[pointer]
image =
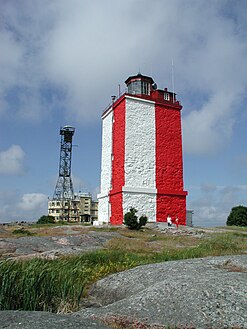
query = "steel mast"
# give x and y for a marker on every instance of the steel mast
(64, 187)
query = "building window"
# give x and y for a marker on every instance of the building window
(58, 203)
(166, 97)
(145, 88)
(139, 87)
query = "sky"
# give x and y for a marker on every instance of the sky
(62, 60)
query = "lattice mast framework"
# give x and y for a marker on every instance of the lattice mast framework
(64, 187)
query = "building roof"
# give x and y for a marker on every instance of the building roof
(139, 76)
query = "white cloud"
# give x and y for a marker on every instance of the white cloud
(212, 204)
(7, 198)
(208, 188)
(209, 59)
(10, 60)
(11, 161)
(87, 54)
(22, 80)
(82, 50)
(15, 206)
(83, 185)
(33, 202)
(214, 72)
(79, 184)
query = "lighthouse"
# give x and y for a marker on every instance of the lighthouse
(142, 160)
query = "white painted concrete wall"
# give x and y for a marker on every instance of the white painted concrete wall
(140, 154)
(103, 210)
(144, 203)
(106, 168)
(140, 143)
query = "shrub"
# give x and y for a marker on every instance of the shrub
(45, 219)
(238, 216)
(132, 221)
(22, 231)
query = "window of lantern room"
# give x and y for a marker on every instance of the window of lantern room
(166, 97)
(145, 88)
(139, 87)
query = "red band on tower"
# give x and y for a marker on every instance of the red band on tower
(171, 199)
(118, 156)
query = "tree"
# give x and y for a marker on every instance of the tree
(45, 219)
(132, 221)
(238, 216)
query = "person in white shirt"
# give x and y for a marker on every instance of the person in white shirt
(169, 221)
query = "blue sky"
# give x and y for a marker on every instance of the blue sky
(60, 62)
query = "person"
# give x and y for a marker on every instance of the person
(176, 222)
(169, 221)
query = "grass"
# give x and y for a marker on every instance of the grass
(22, 231)
(59, 285)
(56, 285)
(234, 228)
(16, 231)
(133, 245)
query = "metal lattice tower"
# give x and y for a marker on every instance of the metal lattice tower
(64, 186)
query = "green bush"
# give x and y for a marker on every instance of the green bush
(132, 221)
(45, 220)
(238, 216)
(22, 231)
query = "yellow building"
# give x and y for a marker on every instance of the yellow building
(81, 209)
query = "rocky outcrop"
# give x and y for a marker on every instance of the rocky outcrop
(53, 246)
(199, 293)
(45, 320)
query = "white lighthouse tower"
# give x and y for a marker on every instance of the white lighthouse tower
(142, 164)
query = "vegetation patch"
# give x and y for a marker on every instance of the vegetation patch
(130, 245)
(238, 216)
(59, 285)
(132, 221)
(56, 285)
(233, 228)
(46, 219)
(22, 231)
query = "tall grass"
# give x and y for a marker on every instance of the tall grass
(59, 285)
(55, 285)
